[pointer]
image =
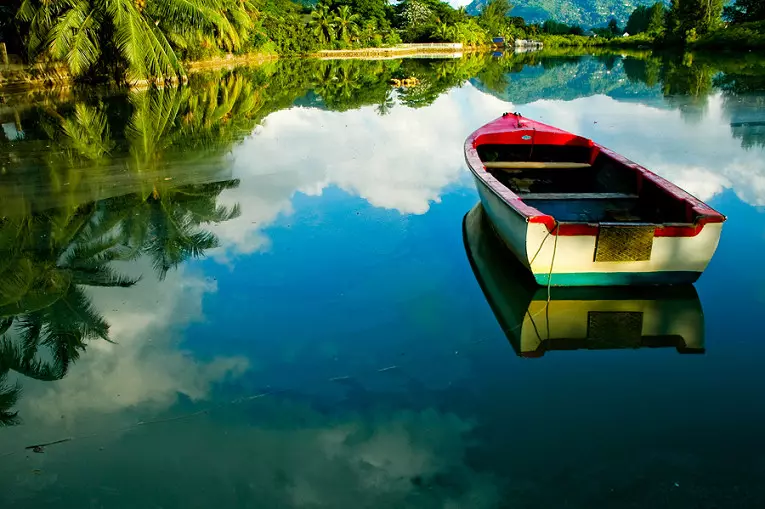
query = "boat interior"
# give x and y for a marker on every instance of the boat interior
(567, 183)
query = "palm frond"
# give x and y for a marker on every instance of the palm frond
(88, 132)
(9, 396)
(102, 276)
(12, 357)
(74, 37)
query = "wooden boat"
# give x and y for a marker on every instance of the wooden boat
(577, 214)
(578, 317)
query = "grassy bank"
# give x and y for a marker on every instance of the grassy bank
(746, 36)
(580, 41)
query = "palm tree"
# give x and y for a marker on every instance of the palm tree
(323, 23)
(447, 33)
(347, 23)
(83, 33)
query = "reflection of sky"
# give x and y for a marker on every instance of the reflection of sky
(344, 292)
(405, 161)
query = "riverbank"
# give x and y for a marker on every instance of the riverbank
(17, 77)
(741, 37)
(435, 50)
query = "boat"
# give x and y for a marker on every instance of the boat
(578, 318)
(578, 214)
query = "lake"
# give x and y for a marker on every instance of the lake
(256, 291)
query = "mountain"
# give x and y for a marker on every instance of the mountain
(587, 13)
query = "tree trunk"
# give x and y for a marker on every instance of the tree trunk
(4, 54)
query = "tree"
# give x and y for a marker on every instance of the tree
(638, 20)
(346, 23)
(688, 19)
(137, 38)
(494, 16)
(743, 11)
(446, 33)
(323, 23)
(613, 27)
(656, 18)
(378, 10)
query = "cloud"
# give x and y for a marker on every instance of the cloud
(145, 366)
(459, 3)
(402, 161)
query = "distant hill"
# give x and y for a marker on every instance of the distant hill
(587, 13)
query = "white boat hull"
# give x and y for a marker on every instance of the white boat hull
(569, 260)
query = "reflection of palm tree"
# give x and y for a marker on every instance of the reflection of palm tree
(338, 83)
(387, 104)
(9, 395)
(50, 257)
(166, 224)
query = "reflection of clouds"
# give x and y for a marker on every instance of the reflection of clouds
(144, 366)
(405, 160)
(702, 157)
(401, 161)
(284, 455)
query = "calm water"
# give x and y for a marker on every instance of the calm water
(255, 292)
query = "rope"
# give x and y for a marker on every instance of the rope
(546, 308)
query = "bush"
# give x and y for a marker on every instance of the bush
(744, 36)
(392, 39)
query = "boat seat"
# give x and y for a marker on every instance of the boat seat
(534, 165)
(578, 196)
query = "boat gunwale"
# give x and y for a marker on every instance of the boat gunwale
(704, 213)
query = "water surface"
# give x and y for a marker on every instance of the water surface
(254, 291)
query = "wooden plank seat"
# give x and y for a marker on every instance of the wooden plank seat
(534, 165)
(577, 196)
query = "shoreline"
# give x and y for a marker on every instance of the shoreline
(18, 78)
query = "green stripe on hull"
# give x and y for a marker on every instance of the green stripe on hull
(619, 278)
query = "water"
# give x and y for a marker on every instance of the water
(276, 258)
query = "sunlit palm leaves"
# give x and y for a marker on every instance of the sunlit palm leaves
(323, 23)
(74, 31)
(346, 23)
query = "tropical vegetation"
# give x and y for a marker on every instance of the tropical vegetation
(133, 40)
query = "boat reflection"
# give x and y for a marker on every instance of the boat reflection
(577, 317)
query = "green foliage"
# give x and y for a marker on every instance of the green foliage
(734, 37)
(493, 17)
(742, 11)
(554, 28)
(647, 19)
(125, 37)
(688, 19)
(614, 28)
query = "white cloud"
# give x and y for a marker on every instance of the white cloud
(402, 161)
(144, 367)
(459, 3)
